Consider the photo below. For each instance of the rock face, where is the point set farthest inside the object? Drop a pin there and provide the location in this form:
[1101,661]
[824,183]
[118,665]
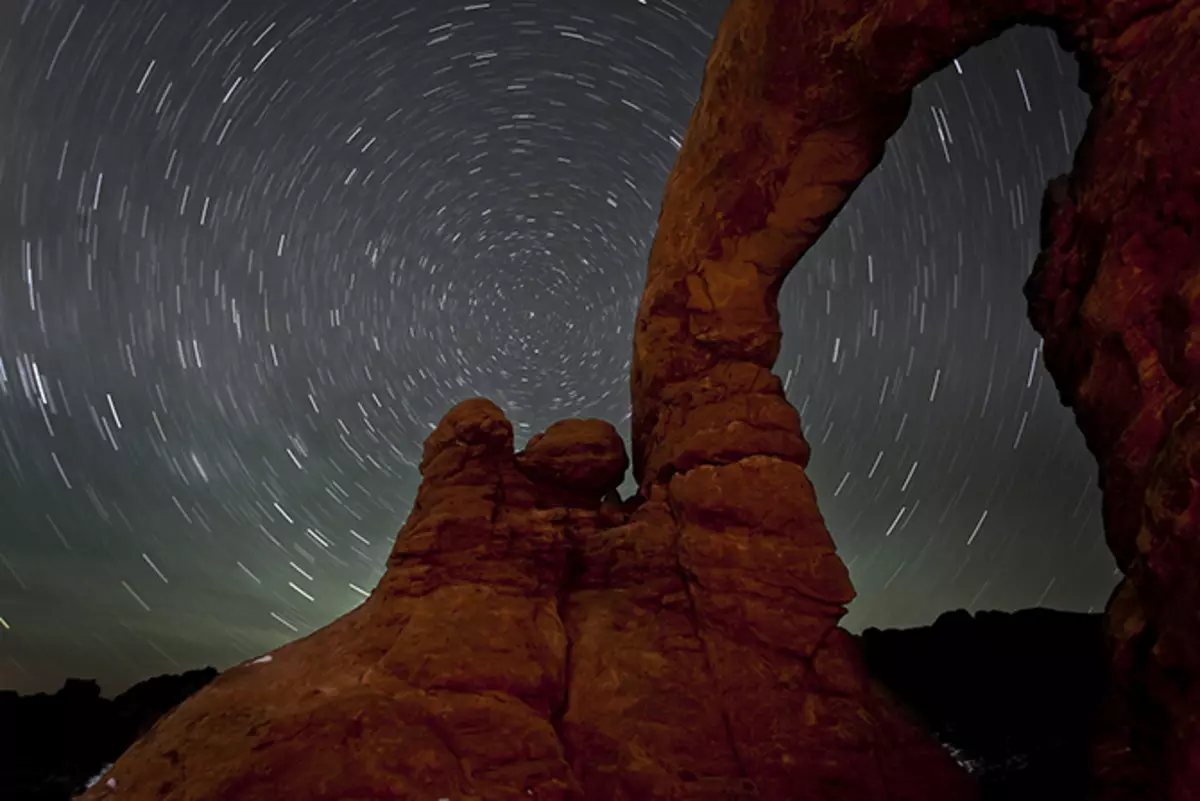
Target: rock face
[533,638]
[799,99]
[448,682]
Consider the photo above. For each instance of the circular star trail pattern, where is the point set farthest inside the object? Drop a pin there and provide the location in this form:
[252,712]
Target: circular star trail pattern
[252,251]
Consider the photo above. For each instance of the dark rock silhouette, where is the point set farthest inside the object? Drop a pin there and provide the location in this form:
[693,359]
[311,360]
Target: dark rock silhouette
[1014,696]
[51,745]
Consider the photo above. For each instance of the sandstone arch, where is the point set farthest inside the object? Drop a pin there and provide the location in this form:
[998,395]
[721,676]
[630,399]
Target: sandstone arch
[775,147]
[534,638]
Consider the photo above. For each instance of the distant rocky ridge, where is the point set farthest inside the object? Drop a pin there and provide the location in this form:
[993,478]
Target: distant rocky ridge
[1012,696]
[52,745]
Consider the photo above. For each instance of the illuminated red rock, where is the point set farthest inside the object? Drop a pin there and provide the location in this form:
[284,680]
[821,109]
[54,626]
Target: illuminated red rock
[531,638]
[443,684]
[585,455]
[798,102]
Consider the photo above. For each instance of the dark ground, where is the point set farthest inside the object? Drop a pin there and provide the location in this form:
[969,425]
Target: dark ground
[1012,695]
[51,745]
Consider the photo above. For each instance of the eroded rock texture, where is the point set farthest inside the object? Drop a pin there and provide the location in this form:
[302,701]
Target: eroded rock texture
[533,637]
[799,99]
[448,682]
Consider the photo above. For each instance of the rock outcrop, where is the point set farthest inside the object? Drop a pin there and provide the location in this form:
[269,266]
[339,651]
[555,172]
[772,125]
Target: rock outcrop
[534,638]
[799,100]
[448,682]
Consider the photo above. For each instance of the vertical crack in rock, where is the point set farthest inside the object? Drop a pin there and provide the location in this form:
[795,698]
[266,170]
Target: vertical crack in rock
[708,663]
[574,570]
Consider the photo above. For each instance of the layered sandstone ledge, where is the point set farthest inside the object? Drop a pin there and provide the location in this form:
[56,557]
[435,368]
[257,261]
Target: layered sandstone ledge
[535,637]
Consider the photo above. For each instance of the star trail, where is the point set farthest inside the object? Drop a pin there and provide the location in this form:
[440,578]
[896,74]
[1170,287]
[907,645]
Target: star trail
[250,252]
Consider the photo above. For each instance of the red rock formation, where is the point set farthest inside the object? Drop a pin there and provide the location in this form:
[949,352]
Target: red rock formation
[446,683]
[532,639]
[782,134]
[1116,294]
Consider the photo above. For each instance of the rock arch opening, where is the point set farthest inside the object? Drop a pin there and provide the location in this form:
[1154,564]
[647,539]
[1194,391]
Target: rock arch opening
[947,469]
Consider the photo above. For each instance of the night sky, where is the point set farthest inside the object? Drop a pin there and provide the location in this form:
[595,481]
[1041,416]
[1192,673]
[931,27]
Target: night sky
[251,251]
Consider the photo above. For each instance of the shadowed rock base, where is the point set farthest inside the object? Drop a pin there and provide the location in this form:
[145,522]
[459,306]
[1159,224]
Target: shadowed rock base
[1012,696]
